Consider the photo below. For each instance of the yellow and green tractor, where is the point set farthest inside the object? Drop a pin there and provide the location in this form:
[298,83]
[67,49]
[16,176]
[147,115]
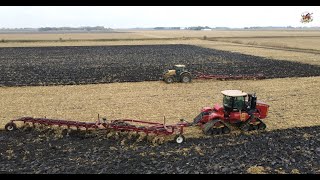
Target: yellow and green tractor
[179,73]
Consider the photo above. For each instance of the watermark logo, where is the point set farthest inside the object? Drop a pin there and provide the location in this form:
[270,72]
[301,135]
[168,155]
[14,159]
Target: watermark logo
[306,17]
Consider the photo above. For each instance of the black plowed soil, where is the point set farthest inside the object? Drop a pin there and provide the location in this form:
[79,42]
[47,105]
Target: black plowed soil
[282,151]
[104,64]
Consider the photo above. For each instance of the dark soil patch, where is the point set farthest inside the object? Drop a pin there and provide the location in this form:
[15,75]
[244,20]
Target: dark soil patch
[104,64]
[280,151]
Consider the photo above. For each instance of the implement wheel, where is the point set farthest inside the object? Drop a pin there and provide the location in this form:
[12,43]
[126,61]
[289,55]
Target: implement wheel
[10,126]
[179,138]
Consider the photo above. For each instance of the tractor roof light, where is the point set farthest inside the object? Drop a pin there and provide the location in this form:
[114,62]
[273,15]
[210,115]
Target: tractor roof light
[180,65]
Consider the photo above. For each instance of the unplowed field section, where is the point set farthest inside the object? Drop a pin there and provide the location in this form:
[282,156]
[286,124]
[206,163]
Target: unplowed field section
[103,64]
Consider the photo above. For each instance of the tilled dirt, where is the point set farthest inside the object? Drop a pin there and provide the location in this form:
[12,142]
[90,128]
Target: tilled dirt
[28,150]
[132,63]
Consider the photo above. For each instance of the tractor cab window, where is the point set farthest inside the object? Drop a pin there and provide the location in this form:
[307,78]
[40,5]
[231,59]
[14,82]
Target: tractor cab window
[238,103]
[227,101]
[179,70]
[233,103]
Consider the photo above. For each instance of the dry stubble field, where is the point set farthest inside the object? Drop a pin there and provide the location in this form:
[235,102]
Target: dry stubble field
[293,101]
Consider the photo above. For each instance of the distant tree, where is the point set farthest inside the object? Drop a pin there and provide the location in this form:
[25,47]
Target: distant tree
[159,28]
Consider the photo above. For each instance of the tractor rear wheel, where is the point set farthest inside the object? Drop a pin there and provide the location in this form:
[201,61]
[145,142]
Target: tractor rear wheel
[185,78]
[169,80]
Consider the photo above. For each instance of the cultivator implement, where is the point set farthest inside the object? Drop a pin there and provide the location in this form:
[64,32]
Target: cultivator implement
[179,73]
[122,125]
[200,75]
[239,108]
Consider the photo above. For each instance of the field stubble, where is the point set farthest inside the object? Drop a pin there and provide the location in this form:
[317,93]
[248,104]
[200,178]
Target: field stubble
[293,101]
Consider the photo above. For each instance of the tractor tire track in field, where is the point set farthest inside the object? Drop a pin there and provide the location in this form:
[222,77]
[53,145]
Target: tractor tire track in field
[31,151]
[26,66]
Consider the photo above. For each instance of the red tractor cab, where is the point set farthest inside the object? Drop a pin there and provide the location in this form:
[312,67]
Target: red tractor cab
[239,108]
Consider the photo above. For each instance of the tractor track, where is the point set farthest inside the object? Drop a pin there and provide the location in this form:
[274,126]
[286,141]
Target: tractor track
[29,151]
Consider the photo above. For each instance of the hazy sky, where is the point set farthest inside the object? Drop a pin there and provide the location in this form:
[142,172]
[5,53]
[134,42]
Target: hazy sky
[153,16]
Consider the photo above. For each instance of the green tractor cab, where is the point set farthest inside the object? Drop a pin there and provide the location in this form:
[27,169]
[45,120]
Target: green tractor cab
[179,73]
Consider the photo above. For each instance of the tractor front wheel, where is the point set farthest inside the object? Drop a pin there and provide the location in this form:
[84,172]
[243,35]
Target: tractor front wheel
[10,126]
[169,80]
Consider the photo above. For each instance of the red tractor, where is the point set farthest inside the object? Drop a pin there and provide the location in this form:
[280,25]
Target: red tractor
[239,108]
